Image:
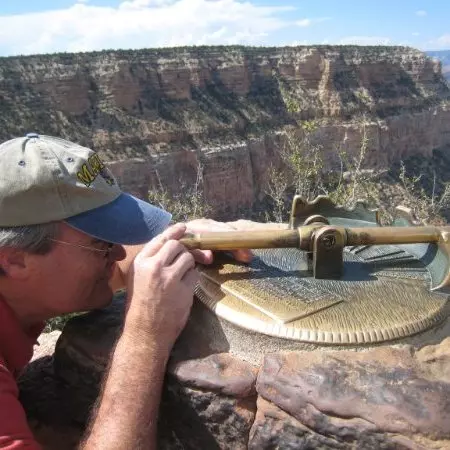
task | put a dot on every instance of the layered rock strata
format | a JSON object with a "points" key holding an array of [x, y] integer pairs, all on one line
{"points": [[160, 114]]}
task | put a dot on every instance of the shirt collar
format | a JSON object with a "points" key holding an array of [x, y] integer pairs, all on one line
{"points": [[16, 344]]}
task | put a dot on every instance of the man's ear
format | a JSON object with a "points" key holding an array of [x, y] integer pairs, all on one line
{"points": [[13, 263]]}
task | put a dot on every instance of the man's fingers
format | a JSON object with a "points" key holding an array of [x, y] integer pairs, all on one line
{"points": [[207, 257], [174, 232], [200, 225], [182, 264], [169, 252], [202, 256], [243, 255], [191, 277]]}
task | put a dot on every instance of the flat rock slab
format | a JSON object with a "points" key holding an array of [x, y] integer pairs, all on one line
{"points": [[383, 398], [221, 373], [276, 429]]}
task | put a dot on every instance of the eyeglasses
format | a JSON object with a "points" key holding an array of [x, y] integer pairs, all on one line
{"points": [[106, 252]]}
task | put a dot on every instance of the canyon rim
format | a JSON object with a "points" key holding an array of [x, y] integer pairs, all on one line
{"points": [[157, 115]]}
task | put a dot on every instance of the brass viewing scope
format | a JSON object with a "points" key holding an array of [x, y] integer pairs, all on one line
{"points": [[302, 237], [323, 242]]}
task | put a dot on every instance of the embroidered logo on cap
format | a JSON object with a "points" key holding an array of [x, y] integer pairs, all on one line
{"points": [[92, 168]]}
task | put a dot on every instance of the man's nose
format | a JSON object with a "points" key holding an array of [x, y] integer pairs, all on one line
{"points": [[117, 252]]}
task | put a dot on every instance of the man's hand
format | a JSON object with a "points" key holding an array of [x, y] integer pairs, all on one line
{"points": [[161, 287], [160, 294], [206, 256], [123, 268]]}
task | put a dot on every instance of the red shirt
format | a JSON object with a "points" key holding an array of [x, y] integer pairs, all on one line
{"points": [[16, 350]]}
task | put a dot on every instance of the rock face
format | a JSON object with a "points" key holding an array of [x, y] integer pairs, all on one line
{"points": [[162, 113], [392, 397], [383, 398], [215, 402], [40, 394], [444, 57]]}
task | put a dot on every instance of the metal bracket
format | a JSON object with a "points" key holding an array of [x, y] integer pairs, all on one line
{"points": [[324, 245], [324, 256], [328, 253]]}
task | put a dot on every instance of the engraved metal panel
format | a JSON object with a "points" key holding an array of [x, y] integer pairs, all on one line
{"points": [[271, 284], [384, 294]]}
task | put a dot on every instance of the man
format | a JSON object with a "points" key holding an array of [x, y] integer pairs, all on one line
{"points": [[65, 228]]}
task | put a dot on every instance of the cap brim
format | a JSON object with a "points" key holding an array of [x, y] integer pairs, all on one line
{"points": [[126, 220]]}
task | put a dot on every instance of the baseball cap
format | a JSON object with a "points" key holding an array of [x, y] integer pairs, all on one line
{"points": [[45, 179]]}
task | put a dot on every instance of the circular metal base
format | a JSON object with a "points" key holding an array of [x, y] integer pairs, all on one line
{"points": [[384, 294]]}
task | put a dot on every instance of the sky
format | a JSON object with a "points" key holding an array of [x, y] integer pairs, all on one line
{"points": [[48, 26]]}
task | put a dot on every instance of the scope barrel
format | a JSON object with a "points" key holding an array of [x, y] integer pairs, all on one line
{"points": [[392, 235], [234, 240]]}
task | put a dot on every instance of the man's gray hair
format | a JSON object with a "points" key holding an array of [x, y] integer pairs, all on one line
{"points": [[32, 238]]}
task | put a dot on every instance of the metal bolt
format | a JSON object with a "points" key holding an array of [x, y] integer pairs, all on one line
{"points": [[329, 241]]}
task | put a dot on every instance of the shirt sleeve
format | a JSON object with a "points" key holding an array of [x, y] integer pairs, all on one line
{"points": [[15, 433]]}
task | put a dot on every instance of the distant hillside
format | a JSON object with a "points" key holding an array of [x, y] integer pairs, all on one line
{"points": [[158, 116], [444, 57]]}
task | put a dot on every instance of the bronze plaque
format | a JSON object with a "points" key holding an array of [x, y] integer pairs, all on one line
{"points": [[384, 294]]}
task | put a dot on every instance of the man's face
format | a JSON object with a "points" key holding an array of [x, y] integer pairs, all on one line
{"points": [[71, 278]]}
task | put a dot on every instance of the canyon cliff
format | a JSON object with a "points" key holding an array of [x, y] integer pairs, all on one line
{"points": [[158, 114]]}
